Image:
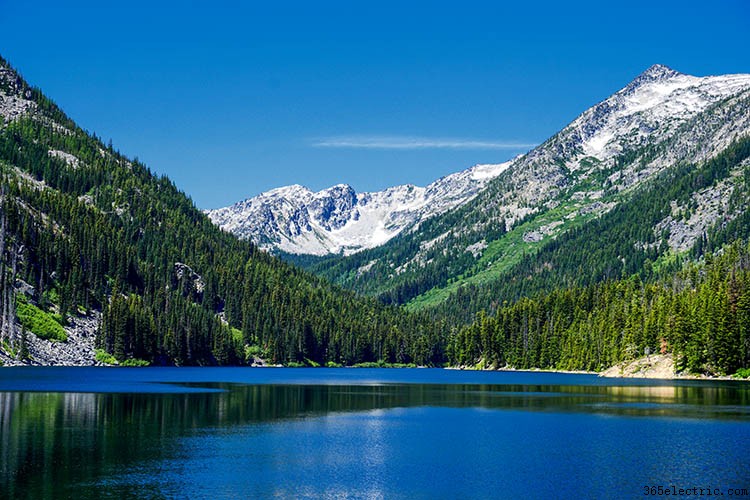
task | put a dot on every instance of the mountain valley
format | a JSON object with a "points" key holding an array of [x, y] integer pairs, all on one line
{"points": [[626, 231]]}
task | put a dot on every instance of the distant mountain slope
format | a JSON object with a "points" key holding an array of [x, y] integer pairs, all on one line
{"points": [[677, 217], [85, 231], [295, 220], [661, 121]]}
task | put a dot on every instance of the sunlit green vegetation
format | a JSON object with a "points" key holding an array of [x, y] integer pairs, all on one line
{"points": [[42, 324], [103, 356]]}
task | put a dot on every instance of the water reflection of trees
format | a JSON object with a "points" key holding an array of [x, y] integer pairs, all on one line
{"points": [[54, 439]]}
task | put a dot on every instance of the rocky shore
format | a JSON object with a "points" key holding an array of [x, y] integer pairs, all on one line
{"points": [[655, 366], [658, 366], [78, 350]]}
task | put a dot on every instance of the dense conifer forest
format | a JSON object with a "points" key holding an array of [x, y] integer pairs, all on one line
{"points": [[701, 315]]}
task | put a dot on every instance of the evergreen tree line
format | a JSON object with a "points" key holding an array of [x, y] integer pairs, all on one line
{"points": [[8, 254], [701, 316]]}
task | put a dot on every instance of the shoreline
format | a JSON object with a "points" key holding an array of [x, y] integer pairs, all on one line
{"points": [[619, 371], [655, 367], [524, 370]]}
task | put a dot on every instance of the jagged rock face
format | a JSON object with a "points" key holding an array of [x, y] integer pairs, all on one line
{"points": [[15, 100], [183, 271], [334, 207], [338, 219]]}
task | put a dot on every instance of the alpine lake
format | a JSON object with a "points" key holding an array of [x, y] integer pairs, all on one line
{"points": [[366, 433]]}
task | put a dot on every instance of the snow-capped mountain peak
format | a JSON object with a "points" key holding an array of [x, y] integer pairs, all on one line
{"points": [[652, 106], [659, 119], [655, 73], [337, 219]]}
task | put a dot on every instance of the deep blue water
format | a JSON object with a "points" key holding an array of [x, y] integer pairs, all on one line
{"points": [[364, 433]]}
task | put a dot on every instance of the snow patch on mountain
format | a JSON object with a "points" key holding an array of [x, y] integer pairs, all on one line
{"points": [[297, 220], [655, 103]]}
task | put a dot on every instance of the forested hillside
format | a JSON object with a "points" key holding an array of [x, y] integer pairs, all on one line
{"points": [[701, 315], [634, 238], [84, 228]]}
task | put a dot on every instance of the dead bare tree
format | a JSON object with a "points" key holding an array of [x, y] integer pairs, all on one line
{"points": [[13, 334], [7, 279], [3, 286]]}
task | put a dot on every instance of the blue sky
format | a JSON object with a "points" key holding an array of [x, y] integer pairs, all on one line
{"points": [[233, 98]]}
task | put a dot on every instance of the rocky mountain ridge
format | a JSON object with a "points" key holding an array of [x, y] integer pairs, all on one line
{"points": [[336, 220], [659, 119]]}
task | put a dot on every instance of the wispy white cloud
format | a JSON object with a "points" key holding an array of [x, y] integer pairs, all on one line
{"points": [[408, 142]]}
